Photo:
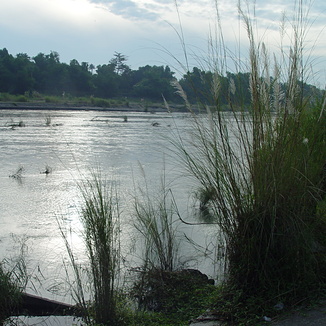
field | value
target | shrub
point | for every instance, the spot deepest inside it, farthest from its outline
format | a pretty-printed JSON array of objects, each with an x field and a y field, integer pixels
[
  {"x": 100, "y": 102},
  {"x": 5, "y": 97},
  {"x": 22, "y": 98}
]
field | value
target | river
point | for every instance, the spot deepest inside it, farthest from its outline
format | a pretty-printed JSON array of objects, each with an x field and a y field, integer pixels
[{"x": 69, "y": 145}]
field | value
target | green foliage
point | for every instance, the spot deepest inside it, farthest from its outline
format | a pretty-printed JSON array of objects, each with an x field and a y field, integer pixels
[
  {"x": 10, "y": 294},
  {"x": 45, "y": 74},
  {"x": 100, "y": 102},
  {"x": 152, "y": 81},
  {"x": 52, "y": 99},
  {"x": 5, "y": 97},
  {"x": 181, "y": 296},
  {"x": 22, "y": 98}
]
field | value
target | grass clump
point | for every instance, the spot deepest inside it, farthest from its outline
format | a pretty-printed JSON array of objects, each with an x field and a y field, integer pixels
[
  {"x": 156, "y": 223},
  {"x": 156, "y": 220},
  {"x": 261, "y": 170},
  {"x": 179, "y": 297},
  {"x": 100, "y": 218},
  {"x": 10, "y": 293}
]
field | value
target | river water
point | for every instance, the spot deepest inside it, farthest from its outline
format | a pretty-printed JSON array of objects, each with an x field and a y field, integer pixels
[{"x": 70, "y": 144}]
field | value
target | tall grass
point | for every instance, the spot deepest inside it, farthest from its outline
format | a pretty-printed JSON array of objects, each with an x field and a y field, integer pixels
[
  {"x": 156, "y": 220},
  {"x": 101, "y": 222},
  {"x": 265, "y": 176},
  {"x": 100, "y": 218},
  {"x": 10, "y": 295},
  {"x": 14, "y": 277}
]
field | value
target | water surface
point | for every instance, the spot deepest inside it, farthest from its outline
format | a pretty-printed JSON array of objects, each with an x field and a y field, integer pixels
[{"x": 71, "y": 144}]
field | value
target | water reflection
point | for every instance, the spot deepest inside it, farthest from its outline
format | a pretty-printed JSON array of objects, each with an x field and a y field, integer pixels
[{"x": 71, "y": 145}]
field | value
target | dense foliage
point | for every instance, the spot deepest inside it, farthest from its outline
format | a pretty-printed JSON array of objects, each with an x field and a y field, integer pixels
[{"x": 45, "y": 74}]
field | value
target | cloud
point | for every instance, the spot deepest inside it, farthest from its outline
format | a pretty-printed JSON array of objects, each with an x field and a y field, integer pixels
[
  {"x": 134, "y": 9},
  {"x": 144, "y": 30}
]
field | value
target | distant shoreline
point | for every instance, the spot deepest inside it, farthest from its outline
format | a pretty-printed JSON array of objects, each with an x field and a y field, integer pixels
[{"x": 75, "y": 107}]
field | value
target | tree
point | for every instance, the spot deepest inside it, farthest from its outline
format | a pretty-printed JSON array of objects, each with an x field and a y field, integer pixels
[
  {"x": 153, "y": 82},
  {"x": 23, "y": 72},
  {"x": 119, "y": 63},
  {"x": 6, "y": 75},
  {"x": 80, "y": 78},
  {"x": 51, "y": 76},
  {"x": 106, "y": 81}
]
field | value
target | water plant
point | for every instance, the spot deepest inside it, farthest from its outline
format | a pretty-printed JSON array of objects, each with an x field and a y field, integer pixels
[
  {"x": 18, "y": 174},
  {"x": 262, "y": 167},
  {"x": 47, "y": 170},
  {"x": 48, "y": 120},
  {"x": 14, "y": 276}
]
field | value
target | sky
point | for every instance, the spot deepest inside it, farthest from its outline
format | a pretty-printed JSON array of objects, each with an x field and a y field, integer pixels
[{"x": 155, "y": 32}]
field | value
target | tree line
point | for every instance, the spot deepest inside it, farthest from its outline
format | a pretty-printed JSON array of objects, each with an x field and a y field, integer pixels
[{"x": 44, "y": 73}]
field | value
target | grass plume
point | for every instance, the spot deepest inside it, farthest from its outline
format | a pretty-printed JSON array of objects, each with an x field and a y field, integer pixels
[{"x": 263, "y": 176}]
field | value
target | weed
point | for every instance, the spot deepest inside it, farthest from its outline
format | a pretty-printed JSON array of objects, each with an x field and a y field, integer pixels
[
  {"x": 48, "y": 120},
  {"x": 18, "y": 174}
]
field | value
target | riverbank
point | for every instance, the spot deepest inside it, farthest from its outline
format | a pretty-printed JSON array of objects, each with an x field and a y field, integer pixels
[{"x": 72, "y": 106}]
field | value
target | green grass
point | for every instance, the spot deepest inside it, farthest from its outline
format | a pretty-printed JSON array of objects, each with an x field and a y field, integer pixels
[
  {"x": 10, "y": 293},
  {"x": 156, "y": 220},
  {"x": 101, "y": 222},
  {"x": 182, "y": 300}
]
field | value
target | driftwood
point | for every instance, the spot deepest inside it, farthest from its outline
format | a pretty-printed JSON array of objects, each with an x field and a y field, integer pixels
[{"x": 32, "y": 305}]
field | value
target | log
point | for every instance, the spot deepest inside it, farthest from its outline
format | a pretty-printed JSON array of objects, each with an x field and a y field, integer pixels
[{"x": 32, "y": 305}]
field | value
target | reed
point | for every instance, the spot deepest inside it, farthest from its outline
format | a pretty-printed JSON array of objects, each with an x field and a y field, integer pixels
[
  {"x": 265, "y": 177},
  {"x": 156, "y": 219},
  {"x": 156, "y": 222},
  {"x": 101, "y": 223},
  {"x": 100, "y": 218}
]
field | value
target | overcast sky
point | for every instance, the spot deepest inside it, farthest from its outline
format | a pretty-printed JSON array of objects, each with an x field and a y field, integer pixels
[{"x": 144, "y": 30}]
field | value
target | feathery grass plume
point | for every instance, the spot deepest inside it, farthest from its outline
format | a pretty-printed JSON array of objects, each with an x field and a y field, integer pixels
[
  {"x": 262, "y": 179},
  {"x": 179, "y": 91}
]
